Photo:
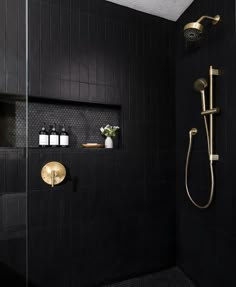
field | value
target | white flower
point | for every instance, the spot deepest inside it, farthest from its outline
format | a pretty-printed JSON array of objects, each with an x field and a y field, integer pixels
[{"x": 109, "y": 130}]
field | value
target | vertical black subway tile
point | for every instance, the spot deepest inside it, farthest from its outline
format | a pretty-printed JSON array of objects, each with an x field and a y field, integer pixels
[
  {"x": 21, "y": 49},
  {"x": 3, "y": 172},
  {"x": 3, "y": 46},
  {"x": 75, "y": 91},
  {"x": 12, "y": 47},
  {"x": 65, "y": 4},
  {"x": 92, "y": 92},
  {"x": 66, "y": 90},
  {"x": 84, "y": 92},
  {"x": 22, "y": 175},
  {"x": 56, "y": 32},
  {"x": 100, "y": 94},
  {"x": 75, "y": 45},
  {"x": 34, "y": 48},
  {"x": 84, "y": 5},
  {"x": 65, "y": 34},
  {"x": 34, "y": 170},
  {"x": 44, "y": 41},
  {"x": 12, "y": 172}
]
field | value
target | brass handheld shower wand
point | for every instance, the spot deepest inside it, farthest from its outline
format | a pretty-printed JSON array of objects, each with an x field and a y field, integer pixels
[{"x": 200, "y": 86}]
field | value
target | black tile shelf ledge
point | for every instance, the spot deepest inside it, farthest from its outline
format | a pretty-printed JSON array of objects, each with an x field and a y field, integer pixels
[
  {"x": 68, "y": 101},
  {"x": 61, "y": 150},
  {"x": 173, "y": 277},
  {"x": 12, "y": 97},
  {"x": 70, "y": 151}
]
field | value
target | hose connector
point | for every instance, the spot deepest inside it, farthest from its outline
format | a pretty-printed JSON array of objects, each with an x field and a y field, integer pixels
[{"x": 193, "y": 132}]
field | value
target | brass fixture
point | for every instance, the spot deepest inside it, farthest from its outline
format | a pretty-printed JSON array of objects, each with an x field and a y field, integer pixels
[
  {"x": 200, "y": 86},
  {"x": 53, "y": 173},
  {"x": 212, "y": 72},
  {"x": 193, "y": 31},
  {"x": 210, "y": 112},
  {"x": 193, "y": 132}
]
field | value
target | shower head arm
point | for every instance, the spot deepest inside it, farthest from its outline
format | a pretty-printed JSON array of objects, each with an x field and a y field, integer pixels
[{"x": 215, "y": 19}]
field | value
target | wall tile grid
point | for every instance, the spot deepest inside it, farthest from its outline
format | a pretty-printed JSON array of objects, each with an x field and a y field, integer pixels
[
  {"x": 114, "y": 216},
  {"x": 202, "y": 236},
  {"x": 13, "y": 216},
  {"x": 12, "y": 47}
]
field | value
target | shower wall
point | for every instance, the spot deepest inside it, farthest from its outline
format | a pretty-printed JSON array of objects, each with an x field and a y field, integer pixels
[
  {"x": 206, "y": 239},
  {"x": 13, "y": 195},
  {"x": 114, "y": 217}
]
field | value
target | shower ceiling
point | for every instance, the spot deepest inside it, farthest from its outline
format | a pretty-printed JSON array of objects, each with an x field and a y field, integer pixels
[{"x": 169, "y": 9}]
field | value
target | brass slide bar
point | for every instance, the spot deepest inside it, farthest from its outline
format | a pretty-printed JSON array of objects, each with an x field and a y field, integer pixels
[{"x": 212, "y": 72}]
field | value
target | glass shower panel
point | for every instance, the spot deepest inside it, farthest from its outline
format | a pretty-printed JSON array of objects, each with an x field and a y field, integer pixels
[{"x": 13, "y": 142}]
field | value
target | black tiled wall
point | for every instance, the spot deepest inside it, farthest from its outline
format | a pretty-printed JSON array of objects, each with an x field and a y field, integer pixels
[
  {"x": 206, "y": 238},
  {"x": 12, "y": 161},
  {"x": 70, "y": 51},
  {"x": 115, "y": 216},
  {"x": 12, "y": 47},
  {"x": 13, "y": 216}
]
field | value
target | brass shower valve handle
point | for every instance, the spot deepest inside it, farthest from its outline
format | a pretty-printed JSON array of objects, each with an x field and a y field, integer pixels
[{"x": 53, "y": 173}]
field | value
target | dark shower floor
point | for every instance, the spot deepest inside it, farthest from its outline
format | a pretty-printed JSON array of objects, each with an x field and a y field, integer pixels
[{"x": 173, "y": 277}]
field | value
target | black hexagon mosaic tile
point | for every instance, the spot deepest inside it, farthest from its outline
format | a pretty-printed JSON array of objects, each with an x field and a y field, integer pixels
[{"x": 13, "y": 119}]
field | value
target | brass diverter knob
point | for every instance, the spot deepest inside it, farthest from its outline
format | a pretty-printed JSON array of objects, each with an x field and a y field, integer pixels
[{"x": 53, "y": 173}]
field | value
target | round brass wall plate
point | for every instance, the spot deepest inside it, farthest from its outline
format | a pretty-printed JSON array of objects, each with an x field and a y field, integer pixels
[{"x": 53, "y": 173}]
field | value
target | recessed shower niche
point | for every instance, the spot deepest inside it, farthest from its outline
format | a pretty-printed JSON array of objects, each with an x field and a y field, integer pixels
[{"x": 82, "y": 121}]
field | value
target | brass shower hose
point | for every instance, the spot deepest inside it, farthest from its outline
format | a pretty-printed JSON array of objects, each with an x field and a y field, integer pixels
[{"x": 211, "y": 169}]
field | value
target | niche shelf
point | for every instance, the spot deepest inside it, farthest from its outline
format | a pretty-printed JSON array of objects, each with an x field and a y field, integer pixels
[{"x": 82, "y": 121}]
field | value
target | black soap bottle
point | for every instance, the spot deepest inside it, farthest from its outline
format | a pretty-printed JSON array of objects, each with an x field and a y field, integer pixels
[
  {"x": 54, "y": 137},
  {"x": 64, "y": 137},
  {"x": 43, "y": 137}
]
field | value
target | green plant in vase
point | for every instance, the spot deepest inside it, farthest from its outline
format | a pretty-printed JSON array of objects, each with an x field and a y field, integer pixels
[{"x": 109, "y": 132}]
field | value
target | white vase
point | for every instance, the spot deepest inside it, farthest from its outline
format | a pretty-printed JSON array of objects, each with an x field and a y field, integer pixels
[{"x": 108, "y": 142}]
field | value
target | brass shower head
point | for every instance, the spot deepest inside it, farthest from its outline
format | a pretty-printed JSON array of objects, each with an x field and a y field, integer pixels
[{"x": 193, "y": 31}]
